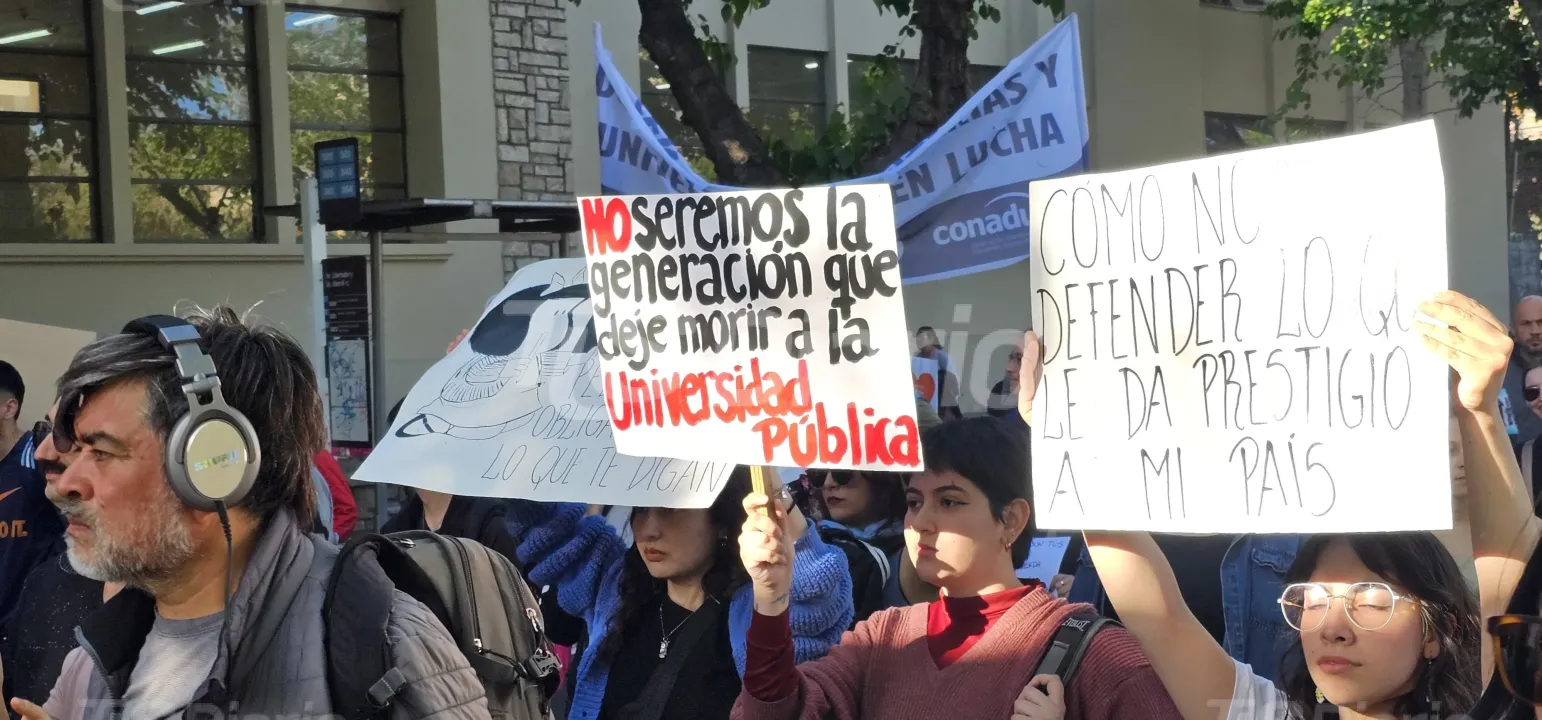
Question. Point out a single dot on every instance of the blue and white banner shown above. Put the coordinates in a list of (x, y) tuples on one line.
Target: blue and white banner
[(960, 197)]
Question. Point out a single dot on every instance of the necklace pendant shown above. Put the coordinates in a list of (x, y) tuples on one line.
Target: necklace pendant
[(663, 648)]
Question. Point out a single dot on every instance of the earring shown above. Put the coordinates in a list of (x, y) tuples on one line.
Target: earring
[(1320, 698)]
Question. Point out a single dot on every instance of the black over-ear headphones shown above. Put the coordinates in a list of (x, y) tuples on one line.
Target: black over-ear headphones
[(212, 454)]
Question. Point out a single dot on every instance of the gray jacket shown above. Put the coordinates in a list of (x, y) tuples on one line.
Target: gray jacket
[(289, 678)]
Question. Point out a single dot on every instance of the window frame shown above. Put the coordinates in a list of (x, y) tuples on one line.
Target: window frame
[(88, 55), (399, 74), (257, 117)]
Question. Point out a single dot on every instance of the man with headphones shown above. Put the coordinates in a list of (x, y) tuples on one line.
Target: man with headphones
[(187, 448)]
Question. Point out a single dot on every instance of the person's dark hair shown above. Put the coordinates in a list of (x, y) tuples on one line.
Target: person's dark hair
[(985, 453), (888, 493), (263, 373), (925, 329), (11, 383), (638, 587), (1420, 566)]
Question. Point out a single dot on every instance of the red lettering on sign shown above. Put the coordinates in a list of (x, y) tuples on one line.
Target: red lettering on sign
[(607, 225)]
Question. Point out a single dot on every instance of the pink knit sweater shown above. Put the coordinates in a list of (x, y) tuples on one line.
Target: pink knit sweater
[(882, 670)]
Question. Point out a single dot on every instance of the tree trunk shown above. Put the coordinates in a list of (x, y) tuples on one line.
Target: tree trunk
[(942, 72), (733, 146), (1415, 62)]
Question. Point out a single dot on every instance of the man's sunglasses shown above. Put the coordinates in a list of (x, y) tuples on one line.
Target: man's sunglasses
[(44, 429), (1518, 652), (1532, 393)]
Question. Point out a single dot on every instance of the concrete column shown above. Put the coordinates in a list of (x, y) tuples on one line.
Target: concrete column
[(452, 144), (1145, 80), (273, 103), (115, 191)]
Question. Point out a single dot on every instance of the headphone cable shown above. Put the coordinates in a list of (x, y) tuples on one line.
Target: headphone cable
[(219, 507)]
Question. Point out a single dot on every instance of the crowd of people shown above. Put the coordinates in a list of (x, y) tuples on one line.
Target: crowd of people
[(125, 593)]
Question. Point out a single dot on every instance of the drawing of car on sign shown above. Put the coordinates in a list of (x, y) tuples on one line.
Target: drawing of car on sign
[(533, 348)]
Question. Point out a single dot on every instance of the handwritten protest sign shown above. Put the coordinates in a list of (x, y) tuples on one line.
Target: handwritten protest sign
[(759, 327), (1227, 342), (1044, 557), (517, 411)]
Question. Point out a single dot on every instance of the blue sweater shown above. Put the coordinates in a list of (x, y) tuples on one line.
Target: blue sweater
[(583, 557)]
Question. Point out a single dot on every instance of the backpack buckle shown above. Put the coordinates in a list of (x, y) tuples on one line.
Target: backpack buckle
[(542, 664), (386, 688)]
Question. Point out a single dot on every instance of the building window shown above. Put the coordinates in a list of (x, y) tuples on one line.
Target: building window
[(47, 132), (1297, 130), (193, 123), (345, 80), (787, 93), (1226, 132), (868, 88)]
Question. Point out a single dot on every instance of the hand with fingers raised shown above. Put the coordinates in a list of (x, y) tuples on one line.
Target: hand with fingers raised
[(456, 342), (1474, 343), (1042, 699), (766, 548)]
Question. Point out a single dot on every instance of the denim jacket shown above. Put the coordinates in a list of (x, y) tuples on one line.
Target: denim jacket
[(1252, 576)]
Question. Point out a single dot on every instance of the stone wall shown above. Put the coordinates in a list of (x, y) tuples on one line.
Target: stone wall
[(535, 120)]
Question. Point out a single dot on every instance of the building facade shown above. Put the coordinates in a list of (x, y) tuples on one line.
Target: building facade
[(139, 141)]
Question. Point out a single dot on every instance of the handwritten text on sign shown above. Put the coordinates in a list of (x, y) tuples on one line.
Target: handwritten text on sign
[(1227, 345), (755, 327)]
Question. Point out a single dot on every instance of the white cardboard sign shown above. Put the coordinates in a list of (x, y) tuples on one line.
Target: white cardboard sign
[(517, 411), (758, 327), (1227, 342)]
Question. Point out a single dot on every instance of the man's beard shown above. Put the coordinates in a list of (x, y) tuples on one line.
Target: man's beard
[(153, 547)]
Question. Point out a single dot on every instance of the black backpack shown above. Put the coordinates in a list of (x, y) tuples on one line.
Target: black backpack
[(1069, 645), (477, 593)]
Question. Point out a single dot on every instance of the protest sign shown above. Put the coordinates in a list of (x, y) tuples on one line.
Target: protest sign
[(958, 195), (760, 327), (1044, 557), (516, 411), (923, 372), (1227, 343)]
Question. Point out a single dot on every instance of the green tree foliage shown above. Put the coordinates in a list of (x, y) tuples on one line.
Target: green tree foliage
[(1480, 51)]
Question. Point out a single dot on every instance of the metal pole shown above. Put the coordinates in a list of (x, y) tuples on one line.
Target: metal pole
[(382, 406), (315, 238)]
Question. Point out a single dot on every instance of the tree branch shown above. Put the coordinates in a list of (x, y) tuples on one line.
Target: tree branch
[(942, 69), (735, 149), (196, 215)]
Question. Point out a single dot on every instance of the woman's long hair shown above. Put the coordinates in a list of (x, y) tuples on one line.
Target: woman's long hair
[(726, 575), (1417, 562)]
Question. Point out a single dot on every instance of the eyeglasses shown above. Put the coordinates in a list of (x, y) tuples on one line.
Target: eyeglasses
[(44, 429), (1369, 605), (1532, 393), (841, 478), (1518, 653)]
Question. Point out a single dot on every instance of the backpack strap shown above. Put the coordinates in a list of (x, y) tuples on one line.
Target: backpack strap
[(360, 677), (1070, 644), (650, 703)]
